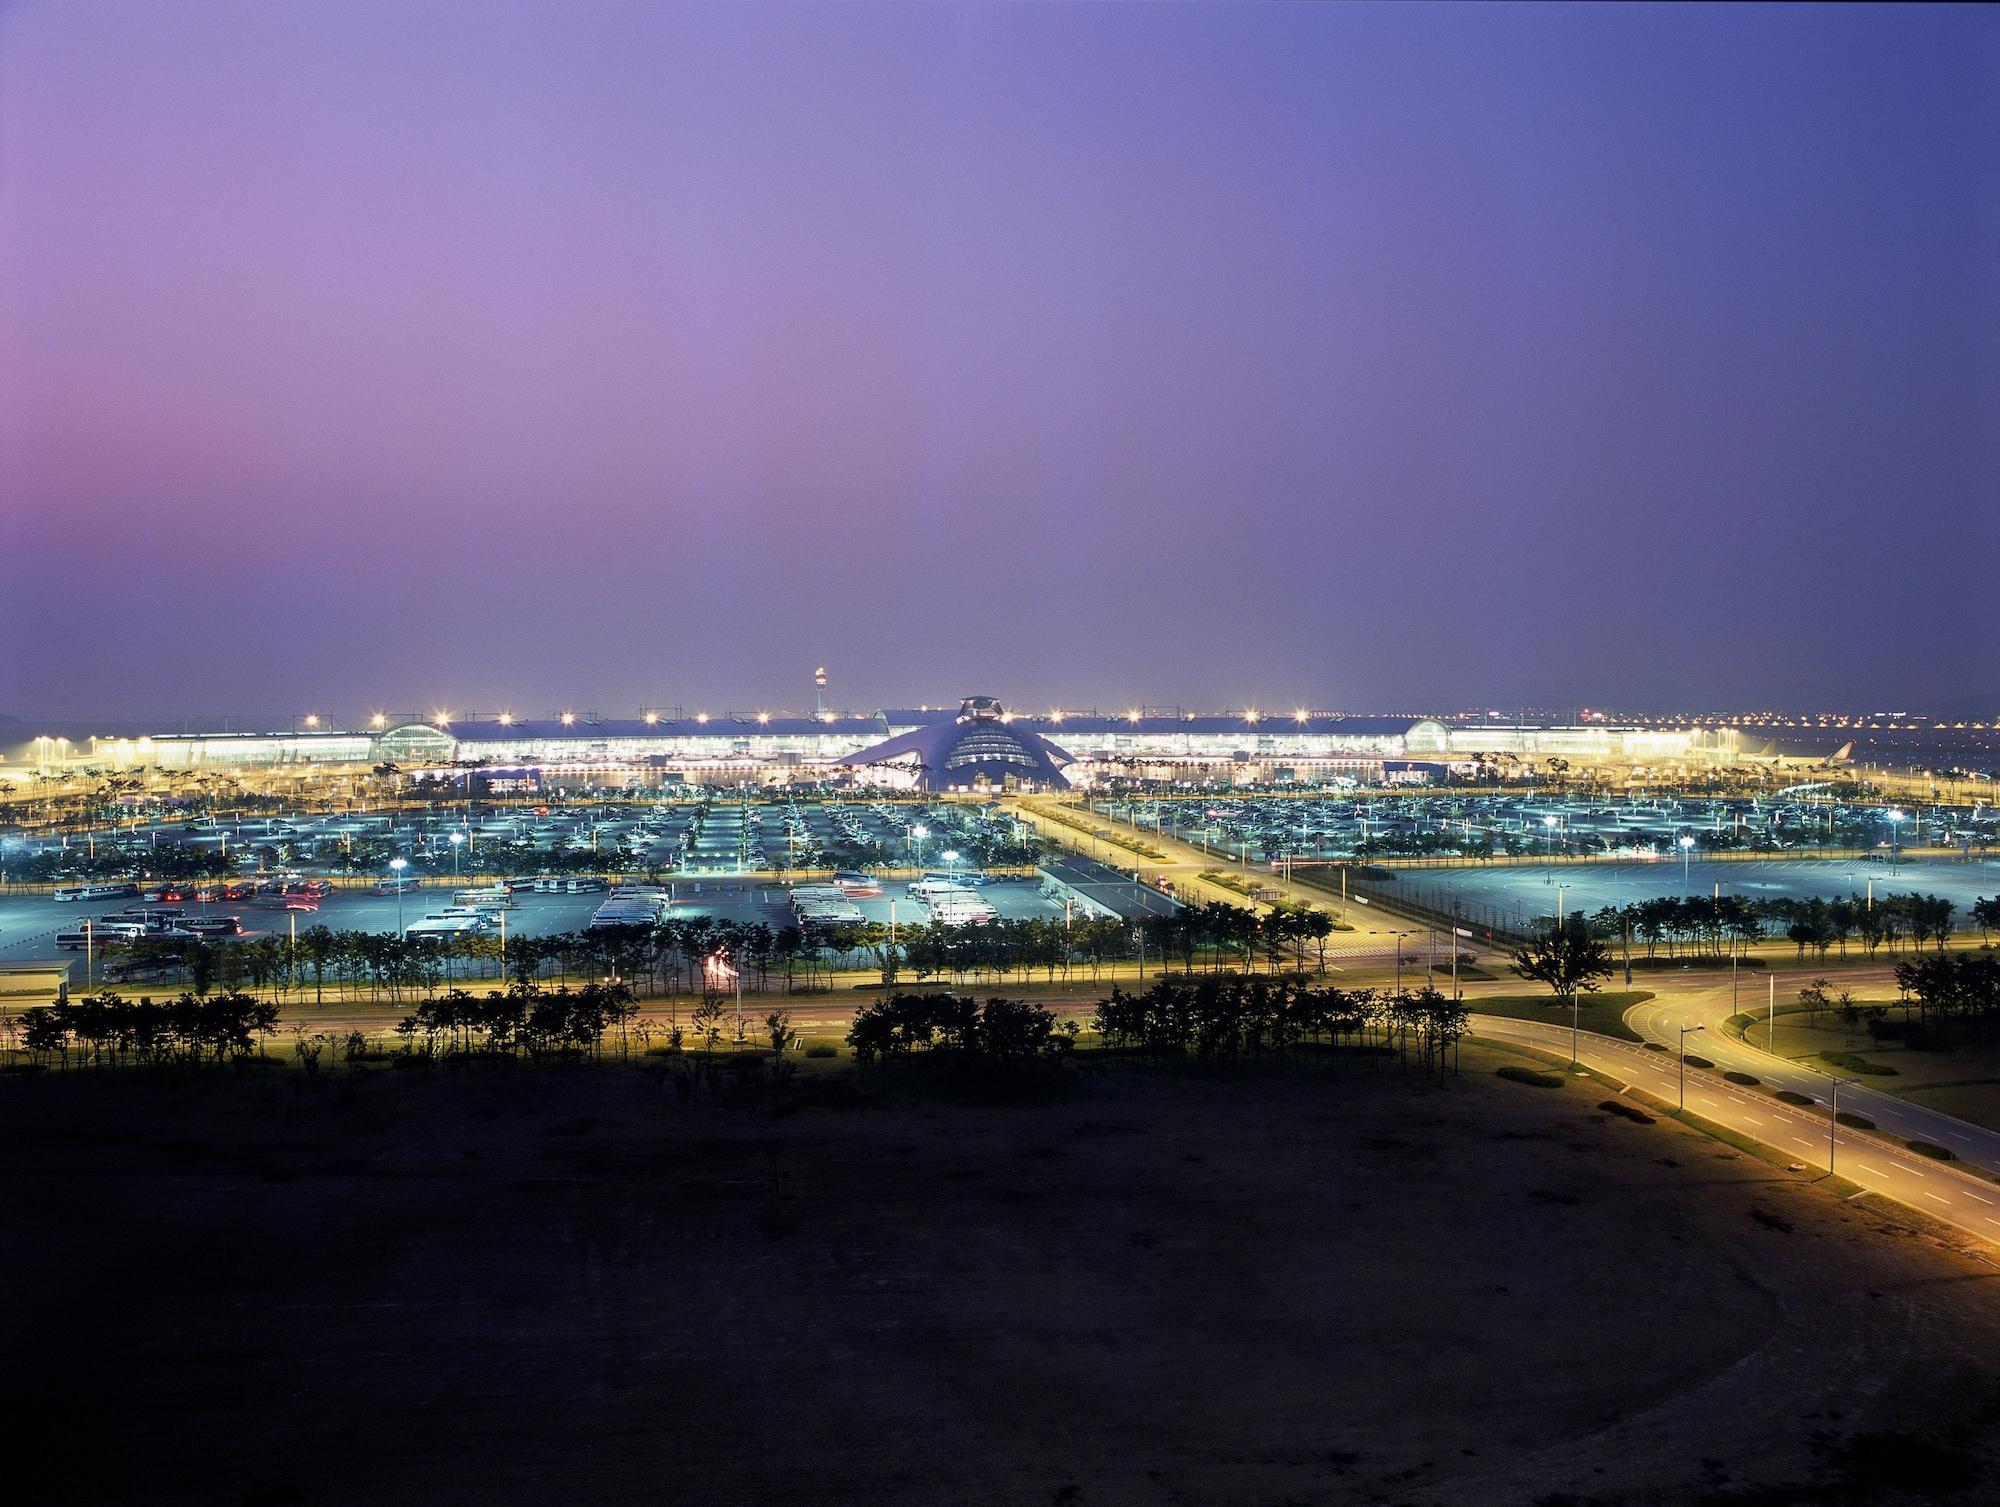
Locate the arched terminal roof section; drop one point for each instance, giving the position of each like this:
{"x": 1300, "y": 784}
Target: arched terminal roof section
{"x": 982, "y": 745}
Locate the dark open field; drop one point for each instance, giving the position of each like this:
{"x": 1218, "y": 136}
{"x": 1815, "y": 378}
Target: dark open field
{"x": 519, "y": 1286}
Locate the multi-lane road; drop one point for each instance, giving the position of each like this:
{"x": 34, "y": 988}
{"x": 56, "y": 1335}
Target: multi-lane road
{"x": 1961, "y": 1193}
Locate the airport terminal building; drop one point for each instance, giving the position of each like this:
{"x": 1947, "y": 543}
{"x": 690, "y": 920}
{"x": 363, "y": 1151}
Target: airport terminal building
{"x": 979, "y": 744}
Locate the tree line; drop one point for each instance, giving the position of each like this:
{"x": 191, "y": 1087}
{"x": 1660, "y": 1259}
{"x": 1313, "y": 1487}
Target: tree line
{"x": 106, "y": 1030}
{"x": 1720, "y": 925}
{"x": 689, "y": 954}
{"x": 1226, "y": 1018}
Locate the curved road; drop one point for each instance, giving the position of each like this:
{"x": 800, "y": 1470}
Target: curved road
{"x": 1871, "y": 1161}
{"x": 1707, "y": 1004}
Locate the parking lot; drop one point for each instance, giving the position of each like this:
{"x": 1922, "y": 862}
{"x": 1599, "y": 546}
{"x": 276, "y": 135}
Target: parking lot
{"x": 31, "y": 923}
{"x": 1445, "y": 825}
{"x": 1516, "y": 895}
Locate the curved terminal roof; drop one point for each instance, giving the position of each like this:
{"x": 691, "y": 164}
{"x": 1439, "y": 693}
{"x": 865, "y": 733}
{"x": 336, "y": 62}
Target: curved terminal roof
{"x": 979, "y": 745}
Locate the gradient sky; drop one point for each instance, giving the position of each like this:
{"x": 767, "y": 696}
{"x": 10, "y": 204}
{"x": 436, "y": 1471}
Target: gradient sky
{"x": 495, "y": 355}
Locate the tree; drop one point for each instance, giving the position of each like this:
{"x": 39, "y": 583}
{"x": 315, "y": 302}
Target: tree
{"x": 707, "y": 1019}
{"x": 1813, "y": 999}
{"x": 1565, "y": 957}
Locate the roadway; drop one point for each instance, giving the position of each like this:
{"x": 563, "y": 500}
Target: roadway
{"x": 1184, "y": 863}
{"x": 1943, "y": 1191}
{"x": 1707, "y": 1003}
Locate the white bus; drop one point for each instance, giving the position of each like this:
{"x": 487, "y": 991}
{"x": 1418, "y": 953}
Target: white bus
{"x": 94, "y": 891}
{"x": 435, "y": 926}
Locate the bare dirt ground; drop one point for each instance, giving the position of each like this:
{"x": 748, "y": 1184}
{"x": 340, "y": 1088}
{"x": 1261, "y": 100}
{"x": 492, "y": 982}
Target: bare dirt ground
{"x": 504, "y": 1286}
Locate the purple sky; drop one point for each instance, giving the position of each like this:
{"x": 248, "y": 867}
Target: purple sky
{"x": 492, "y": 355}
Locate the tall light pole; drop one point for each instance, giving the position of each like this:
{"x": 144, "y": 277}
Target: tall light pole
{"x": 456, "y": 839}
{"x": 396, "y": 867}
{"x": 1687, "y": 847}
{"x": 1686, "y": 1031}
{"x": 917, "y": 834}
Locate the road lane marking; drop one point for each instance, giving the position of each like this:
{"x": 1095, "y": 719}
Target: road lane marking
{"x": 1866, "y": 1168}
{"x": 1928, "y": 1194}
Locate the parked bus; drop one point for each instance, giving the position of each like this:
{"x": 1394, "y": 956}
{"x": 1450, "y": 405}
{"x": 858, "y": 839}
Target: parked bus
{"x": 94, "y": 891}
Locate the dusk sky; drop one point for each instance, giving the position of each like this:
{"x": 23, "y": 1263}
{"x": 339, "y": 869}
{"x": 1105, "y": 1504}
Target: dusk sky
{"x": 492, "y": 355}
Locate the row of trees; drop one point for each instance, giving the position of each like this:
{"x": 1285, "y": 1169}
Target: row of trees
{"x": 689, "y": 954}
{"x": 1952, "y": 987}
{"x": 1719, "y": 925}
{"x": 1891, "y": 921}
{"x": 523, "y": 1019}
{"x": 1222, "y": 935}
{"x": 105, "y": 1030}
{"x": 996, "y": 1033}
{"x": 1226, "y": 1018}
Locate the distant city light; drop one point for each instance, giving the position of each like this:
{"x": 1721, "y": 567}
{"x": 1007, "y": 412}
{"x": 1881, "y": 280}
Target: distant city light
{"x": 378, "y": 720}
{"x": 651, "y": 718}
{"x": 569, "y": 719}
{"x": 312, "y": 719}
{"x": 763, "y": 716}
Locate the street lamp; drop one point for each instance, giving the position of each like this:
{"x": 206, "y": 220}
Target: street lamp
{"x": 1895, "y": 825}
{"x": 1549, "y": 835}
{"x": 917, "y": 835}
{"x": 457, "y": 838}
{"x": 1686, "y": 1031}
{"x": 1687, "y": 847}
{"x": 396, "y": 867}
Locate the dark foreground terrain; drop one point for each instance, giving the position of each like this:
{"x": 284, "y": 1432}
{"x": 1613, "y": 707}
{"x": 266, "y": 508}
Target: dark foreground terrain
{"x": 509, "y": 1286}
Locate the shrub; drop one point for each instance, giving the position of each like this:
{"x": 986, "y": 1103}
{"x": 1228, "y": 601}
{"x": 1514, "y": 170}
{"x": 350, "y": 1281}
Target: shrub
{"x": 1528, "y": 1076}
{"x": 1694, "y": 1061}
{"x": 1788, "y": 1097}
{"x": 1627, "y": 1111}
{"x": 1854, "y": 1121}
{"x": 822, "y": 1050}
{"x": 1743, "y": 1078}
{"x": 1655, "y": 1046}
{"x": 1933, "y": 1150}
{"x": 1853, "y": 1062}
